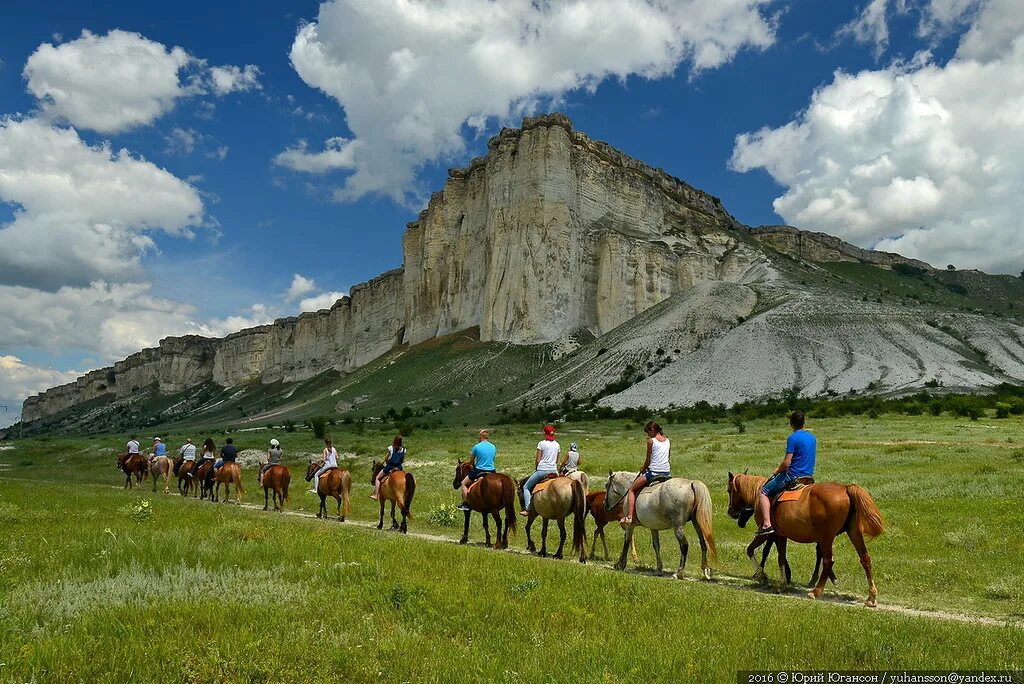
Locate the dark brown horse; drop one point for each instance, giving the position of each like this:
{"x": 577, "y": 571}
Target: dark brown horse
{"x": 186, "y": 478}
{"x": 204, "y": 479}
{"x": 398, "y": 488}
{"x": 336, "y": 482}
{"x": 823, "y": 511}
{"x": 133, "y": 465}
{"x": 489, "y": 496}
{"x": 602, "y": 516}
{"x": 276, "y": 479}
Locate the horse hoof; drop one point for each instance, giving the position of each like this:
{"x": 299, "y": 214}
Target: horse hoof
{"x": 619, "y": 566}
{"x": 265, "y": 508}
{"x": 463, "y": 540}
{"x": 380, "y": 527}
{"x": 811, "y": 595}
{"x": 871, "y": 603}
{"x": 707, "y": 573}
{"x": 557, "y": 556}
{"x": 342, "y": 518}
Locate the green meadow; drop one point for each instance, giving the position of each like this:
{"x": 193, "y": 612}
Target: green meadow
{"x": 98, "y": 584}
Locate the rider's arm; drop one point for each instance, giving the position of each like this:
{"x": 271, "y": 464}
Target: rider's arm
{"x": 650, "y": 448}
{"x": 784, "y": 466}
{"x": 536, "y": 460}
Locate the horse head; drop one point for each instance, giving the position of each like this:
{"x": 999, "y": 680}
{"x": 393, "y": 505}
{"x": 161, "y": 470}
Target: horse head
{"x": 377, "y": 467}
{"x": 615, "y": 489}
{"x": 739, "y": 508}
{"x": 314, "y": 466}
{"x": 461, "y": 470}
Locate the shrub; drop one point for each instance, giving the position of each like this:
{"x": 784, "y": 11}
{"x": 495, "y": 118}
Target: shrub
{"x": 141, "y": 511}
{"x": 1002, "y": 410}
{"x": 446, "y": 515}
{"x": 289, "y": 426}
{"x": 319, "y": 425}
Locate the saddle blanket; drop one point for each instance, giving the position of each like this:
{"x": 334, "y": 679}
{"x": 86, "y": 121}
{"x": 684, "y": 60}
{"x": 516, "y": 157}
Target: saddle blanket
{"x": 541, "y": 486}
{"x": 791, "y": 494}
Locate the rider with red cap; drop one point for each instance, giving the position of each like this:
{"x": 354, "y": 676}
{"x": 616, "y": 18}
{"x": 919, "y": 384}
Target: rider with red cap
{"x": 546, "y": 460}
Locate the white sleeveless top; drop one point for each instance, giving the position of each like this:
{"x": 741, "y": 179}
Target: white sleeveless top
{"x": 659, "y": 456}
{"x": 331, "y": 459}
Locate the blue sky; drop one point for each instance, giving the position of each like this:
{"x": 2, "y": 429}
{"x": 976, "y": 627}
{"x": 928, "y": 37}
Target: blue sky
{"x": 753, "y": 67}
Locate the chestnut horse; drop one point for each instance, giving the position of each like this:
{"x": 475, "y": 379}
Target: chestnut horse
{"x": 823, "y": 511}
{"x": 228, "y": 474}
{"x": 561, "y": 497}
{"x": 186, "y": 483}
{"x": 336, "y": 482}
{"x": 132, "y": 464}
{"x": 161, "y": 466}
{"x": 276, "y": 479}
{"x": 746, "y": 514}
{"x": 398, "y": 488}
{"x": 602, "y": 516}
{"x": 490, "y": 495}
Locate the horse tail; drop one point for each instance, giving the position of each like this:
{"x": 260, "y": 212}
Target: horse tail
{"x": 286, "y": 480}
{"x": 864, "y": 512}
{"x": 508, "y": 494}
{"x": 579, "y": 519}
{"x": 410, "y": 489}
{"x": 702, "y": 516}
{"x": 346, "y": 487}
{"x": 238, "y": 479}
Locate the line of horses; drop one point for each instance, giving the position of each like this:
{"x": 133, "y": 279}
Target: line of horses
{"x": 820, "y": 513}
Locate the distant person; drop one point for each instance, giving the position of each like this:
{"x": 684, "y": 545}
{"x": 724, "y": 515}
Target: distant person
{"x": 659, "y": 449}
{"x": 801, "y": 454}
{"x": 481, "y": 458}
{"x": 228, "y": 453}
{"x": 186, "y": 454}
{"x": 133, "y": 446}
{"x": 392, "y": 462}
{"x": 159, "y": 449}
{"x": 330, "y": 459}
{"x": 546, "y": 460}
{"x": 274, "y": 457}
{"x": 572, "y": 461}
{"x": 209, "y": 453}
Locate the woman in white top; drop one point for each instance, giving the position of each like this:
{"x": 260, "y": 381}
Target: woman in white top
{"x": 655, "y": 465}
{"x": 546, "y": 459}
{"x": 330, "y": 457}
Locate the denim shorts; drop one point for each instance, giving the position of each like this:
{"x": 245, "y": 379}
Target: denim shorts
{"x": 476, "y": 474}
{"x": 777, "y": 483}
{"x": 650, "y": 475}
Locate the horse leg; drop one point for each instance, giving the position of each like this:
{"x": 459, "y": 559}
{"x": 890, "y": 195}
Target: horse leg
{"x": 826, "y": 568}
{"x": 380, "y": 523}
{"x": 529, "y": 540}
{"x": 627, "y": 544}
{"x": 561, "y": 537}
{"x": 322, "y": 511}
{"x": 465, "y": 528}
{"x": 784, "y": 571}
{"x": 487, "y": 529}
{"x": 759, "y": 573}
{"x": 266, "y": 499}
{"x": 394, "y": 523}
{"x": 497, "y": 525}
{"x": 340, "y": 516}
{"x": 684, "y": 549}
{"x": 705, "y": 569}
{"x": 544, "y": 538}
{"x": 598, "y": 531}
{"x": 865, "y": 560}
{"x": 656, "y": 543}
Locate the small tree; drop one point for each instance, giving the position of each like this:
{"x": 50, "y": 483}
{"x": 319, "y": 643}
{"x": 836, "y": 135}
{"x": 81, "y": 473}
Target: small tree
{"x": 1022, "y": 275}
{"x": 319, "y": 425}
{"x": 950, "y": 267}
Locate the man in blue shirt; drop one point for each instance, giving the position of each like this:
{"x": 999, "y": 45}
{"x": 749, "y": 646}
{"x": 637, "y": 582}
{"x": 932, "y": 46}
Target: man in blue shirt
{"x": 482, "y": 459}
{"x": 159, "y": 449}
{"x": 801, "y": 452}
{"x": 228, "y": 453}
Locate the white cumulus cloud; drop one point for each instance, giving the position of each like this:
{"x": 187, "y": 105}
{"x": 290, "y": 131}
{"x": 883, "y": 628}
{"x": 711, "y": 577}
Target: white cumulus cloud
{"x": 301, "y": 285}
{"x": 324, "y": 300}
{"x": 229, "y": 79}
{"x": 921, "y": 158}
{"x": 411, "y": 74}
{"x": 83, "y": 212}
{"x": 19, "y": 380}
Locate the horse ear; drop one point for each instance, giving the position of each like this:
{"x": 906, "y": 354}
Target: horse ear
{"x": 609, "y": 473}
{"x": 745, "y": 470}
{"x": 730, "y": 476}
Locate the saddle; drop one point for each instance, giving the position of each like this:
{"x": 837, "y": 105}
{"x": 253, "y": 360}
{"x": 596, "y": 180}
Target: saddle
{"x": 658, "y": 480}
{"x": 543, "y": 484}
{"x": 477, "y": 481}
{"x": 793, "y": 491}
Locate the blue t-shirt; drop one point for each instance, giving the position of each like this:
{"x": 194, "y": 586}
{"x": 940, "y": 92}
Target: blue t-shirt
{"x": 229, "y": 452}
{"x": 483, "y": 455}
{"x": 804, "y": 447}
{"x": 160, "y": 449}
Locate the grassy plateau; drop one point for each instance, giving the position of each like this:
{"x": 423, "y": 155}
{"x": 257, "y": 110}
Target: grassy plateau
{"x": 103, "y": 585}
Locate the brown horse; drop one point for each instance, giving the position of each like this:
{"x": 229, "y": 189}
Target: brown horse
{"x": 160, "y": 467}
{"x": 186, "y": 483}
{"x": 603, "y": 516}
{"x": 276, "y": 479}
{"x": 559, "y": 498}
{"x": 132, "y": 465}
{"x": 336, "y": 482}
{"x": 204, "y": 479}
{"x": 823, "y": 511}
{"x": 490, "y": 495}
{"x": 228, "y": 474}
{"x": 398, "y": 488}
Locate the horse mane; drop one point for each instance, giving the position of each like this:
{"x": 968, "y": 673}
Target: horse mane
{"x": 749, "y": 486}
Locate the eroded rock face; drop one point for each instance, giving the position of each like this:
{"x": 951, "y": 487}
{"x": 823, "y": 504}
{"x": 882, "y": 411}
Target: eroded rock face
{"x": 821, "y": 247}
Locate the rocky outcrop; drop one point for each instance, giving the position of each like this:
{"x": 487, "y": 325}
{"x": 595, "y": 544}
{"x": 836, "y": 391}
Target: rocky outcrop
{"x": 820, "y": 247}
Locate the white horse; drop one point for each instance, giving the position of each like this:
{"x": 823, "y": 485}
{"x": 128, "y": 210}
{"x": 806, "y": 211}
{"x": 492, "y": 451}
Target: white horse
{"x": 581, "y": 477}
{"x": 665, "y": 505}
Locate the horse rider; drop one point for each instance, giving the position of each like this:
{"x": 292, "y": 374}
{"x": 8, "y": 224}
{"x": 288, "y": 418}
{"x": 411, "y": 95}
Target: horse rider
{"x": 394, "y": 461}
{"x": 187, "y": 454}
{"x": 159, "y": 449}
{"x": 801, "y": 454}
{"x": 481, "y": 458}
{"x": 133, "y": 446}
{"x": 572, "y": 461}
{"x": 659, "y": 449}
{"x": 209, "y": 450}
{"x": 274, "y": 456}
{"x": 228, "y": 453}
{"x": 330, "y": 457}
{"x": 546, "y": 460}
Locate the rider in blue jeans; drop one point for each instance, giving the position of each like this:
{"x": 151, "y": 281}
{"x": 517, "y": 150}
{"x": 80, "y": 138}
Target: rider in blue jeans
{"x": 547, "y": 464}
{"x": 801, "y": 452}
